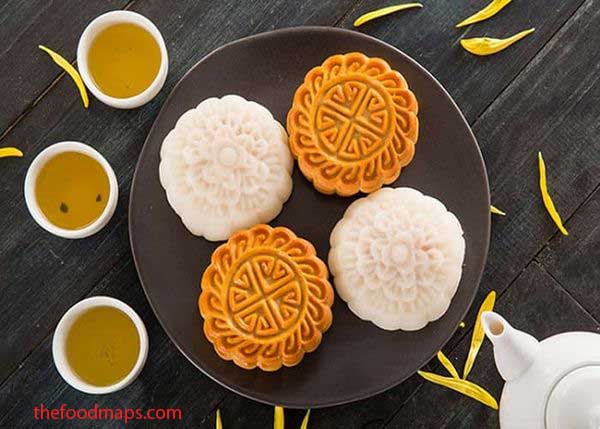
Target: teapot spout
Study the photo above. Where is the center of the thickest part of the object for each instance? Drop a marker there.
(514, 350)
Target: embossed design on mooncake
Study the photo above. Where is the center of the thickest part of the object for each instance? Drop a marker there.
(353, 124)
(265, 298)
(396, 257)
(226, 166)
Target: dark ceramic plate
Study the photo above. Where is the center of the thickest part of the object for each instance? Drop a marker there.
(355, 359)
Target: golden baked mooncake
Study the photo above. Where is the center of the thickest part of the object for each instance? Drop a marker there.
(265, 298)
(353, 124)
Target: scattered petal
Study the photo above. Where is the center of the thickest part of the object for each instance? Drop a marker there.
(546, 196)
(66, 66)
(462, 324)
(219, 424)
(487, 12)
(478, 334)
(278, 418)
(10, 151)
(305, 420)
(489, 46)
(369, 16)
(497, 211)
(465, 387)
(447, 364)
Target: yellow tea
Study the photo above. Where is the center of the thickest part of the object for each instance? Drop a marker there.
(102, 346)
(123, 60)
(72, 190)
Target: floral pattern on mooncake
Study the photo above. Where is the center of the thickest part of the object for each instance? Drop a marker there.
(396, 257)
(226, 166)
(353, 124)
(265, 298)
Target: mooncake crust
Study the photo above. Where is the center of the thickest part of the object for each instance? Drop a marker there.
(353, 124)
(265, 298)
(396, 257)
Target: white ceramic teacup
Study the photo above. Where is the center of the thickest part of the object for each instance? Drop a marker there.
(85, 41)
(62, 330)
(32, 203)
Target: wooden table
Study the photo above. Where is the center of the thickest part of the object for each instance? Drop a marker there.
(541, 94)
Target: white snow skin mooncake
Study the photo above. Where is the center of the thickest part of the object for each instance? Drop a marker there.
(226, 166)
(396, 257)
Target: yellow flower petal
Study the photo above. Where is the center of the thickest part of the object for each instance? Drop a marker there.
(497, 211)
(383, 12)
(447, 364)
(10, 151)
(546, 197)
(66, 66)
(219, 424)
(278, 418)
(478, 334)
(487, 12)
(305, 420)
(489, 46)
(462, 324)
(465, 387)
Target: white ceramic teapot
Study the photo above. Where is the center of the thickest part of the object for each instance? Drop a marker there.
(550, 384)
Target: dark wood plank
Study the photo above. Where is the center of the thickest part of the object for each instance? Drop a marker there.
(120, 134)
(24, 24)
(367, 414)
(551, 108)
(574, 260)
(509, 152)
(429, 36)
(168, 380)
(43, 275)
(529, 305)
(562, 123)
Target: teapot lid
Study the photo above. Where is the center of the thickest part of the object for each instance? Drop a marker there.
(574, 402)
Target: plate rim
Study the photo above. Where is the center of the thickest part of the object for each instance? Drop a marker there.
(291, 30)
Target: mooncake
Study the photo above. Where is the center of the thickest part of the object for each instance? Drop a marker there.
(265, 298)
(353, 124)
(226, 166)
(396, 257)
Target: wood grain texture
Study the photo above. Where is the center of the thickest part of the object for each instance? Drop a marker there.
(525, 305)
(525, 119)
(575, 260)
(26, 72)
(551, 106)
(367, 414)
(505, 135)
(429, 36)
(45, 275)
(168, 380)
